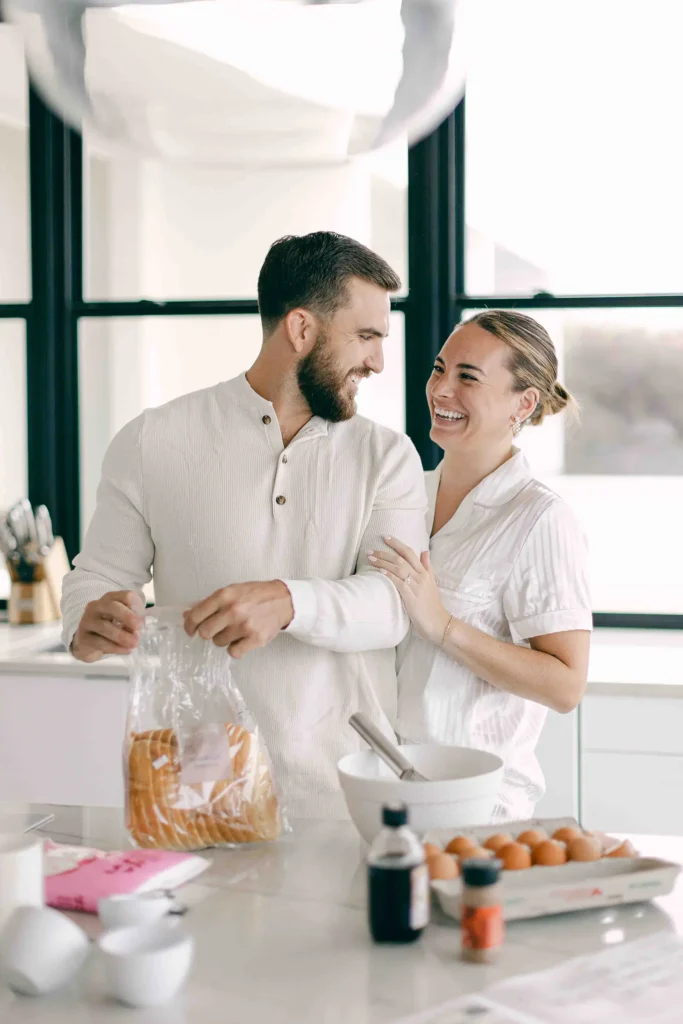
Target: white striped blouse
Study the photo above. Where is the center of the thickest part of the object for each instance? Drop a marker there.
(513, 562)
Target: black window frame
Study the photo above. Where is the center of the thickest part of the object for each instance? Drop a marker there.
(436, 300)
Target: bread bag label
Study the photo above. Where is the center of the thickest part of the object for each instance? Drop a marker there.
(206, 755)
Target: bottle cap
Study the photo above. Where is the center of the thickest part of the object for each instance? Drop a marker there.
(479, 872)
(395, 815)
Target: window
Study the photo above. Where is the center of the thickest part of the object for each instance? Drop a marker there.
(15, 278)
(556, 191)
(620, 465)
(571, 210)
(128, 364)
(12, 412)
(13, 453)
(574, 164)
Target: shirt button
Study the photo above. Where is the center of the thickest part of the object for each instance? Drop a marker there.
(266, 420)
(284, 459)
(281, 499)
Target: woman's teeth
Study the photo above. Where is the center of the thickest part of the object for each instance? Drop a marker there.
(446, 414)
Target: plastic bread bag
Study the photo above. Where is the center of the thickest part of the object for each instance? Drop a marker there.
(196, 770)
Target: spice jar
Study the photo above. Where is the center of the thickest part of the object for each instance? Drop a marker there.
(482, 911)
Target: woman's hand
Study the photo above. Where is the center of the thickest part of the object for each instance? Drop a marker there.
(414, 579)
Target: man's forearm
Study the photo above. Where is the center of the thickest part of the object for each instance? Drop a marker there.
(360, 613)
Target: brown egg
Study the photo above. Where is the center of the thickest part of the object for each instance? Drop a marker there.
(532, 837)
(549, 853)
(442, 866)
(515, 857)
(432, 850)
(495, 843)
(460, 845)
(584, 848)
(625, 849)
(476, 851)
(566, 834)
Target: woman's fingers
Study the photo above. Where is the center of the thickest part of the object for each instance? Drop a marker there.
(389, 562)
(406, 553)
(398, 581)
(386, 556)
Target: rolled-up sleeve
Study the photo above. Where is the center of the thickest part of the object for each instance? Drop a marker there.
(548, 590)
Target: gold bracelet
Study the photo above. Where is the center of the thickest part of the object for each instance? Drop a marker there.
(445, 632)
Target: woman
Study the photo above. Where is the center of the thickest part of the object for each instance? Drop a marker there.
(500, 608)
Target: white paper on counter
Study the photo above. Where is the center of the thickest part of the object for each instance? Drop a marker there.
(468, 1010)
(634, 983)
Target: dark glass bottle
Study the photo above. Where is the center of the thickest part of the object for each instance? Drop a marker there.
(398, 881)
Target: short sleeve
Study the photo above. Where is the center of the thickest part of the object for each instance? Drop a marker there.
(548, 590)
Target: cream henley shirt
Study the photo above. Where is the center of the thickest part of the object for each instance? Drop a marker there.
(203, 492)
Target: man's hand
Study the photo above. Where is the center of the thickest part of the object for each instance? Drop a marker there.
(108, 626)
(242, 616)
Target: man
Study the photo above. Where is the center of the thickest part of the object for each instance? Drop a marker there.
(267, 493)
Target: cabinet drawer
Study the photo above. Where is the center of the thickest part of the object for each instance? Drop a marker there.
(649, 725)
(638, 793)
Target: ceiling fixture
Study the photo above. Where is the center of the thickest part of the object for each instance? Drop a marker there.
(250, 82)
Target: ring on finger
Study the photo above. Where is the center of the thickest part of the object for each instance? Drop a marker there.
(408, 579)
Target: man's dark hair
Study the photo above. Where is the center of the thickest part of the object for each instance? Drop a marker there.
(311, 271)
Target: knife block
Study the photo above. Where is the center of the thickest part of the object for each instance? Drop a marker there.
(39, 601)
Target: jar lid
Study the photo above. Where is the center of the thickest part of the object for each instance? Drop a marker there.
(395, 815)
(479, 872)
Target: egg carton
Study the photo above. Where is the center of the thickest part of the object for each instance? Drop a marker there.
(541, 891)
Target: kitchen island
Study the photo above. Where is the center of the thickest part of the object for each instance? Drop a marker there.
(627, 738)
(281, 937)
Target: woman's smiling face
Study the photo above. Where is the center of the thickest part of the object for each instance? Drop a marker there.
(470, 392)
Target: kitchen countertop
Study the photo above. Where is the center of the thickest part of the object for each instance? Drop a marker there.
(38, 650)
(282, 937)
(623, 662)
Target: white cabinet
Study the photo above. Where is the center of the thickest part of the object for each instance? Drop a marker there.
(61, 739)
(645, 725)
(558, 755)
(632, 764)
(640, 793)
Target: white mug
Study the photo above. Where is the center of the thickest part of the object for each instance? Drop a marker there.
(125, 911)
(21, 874)
(40, 950)
(146, 966)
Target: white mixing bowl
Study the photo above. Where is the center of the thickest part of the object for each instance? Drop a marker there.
(462, 790)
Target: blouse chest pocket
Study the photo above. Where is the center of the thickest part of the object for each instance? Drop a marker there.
(478, 586)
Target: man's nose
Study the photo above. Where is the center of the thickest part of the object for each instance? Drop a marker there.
(375, 361)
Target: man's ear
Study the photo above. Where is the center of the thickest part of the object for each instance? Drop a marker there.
(301, 329)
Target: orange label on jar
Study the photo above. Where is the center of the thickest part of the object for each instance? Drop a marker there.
(482, 927)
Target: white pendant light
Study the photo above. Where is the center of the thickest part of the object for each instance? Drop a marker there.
(247, 82)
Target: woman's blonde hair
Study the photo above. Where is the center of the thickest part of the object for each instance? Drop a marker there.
(533, 360)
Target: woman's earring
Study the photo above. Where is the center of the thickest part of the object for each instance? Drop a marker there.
(516, 426)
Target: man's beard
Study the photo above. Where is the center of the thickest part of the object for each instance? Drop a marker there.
(323, 385)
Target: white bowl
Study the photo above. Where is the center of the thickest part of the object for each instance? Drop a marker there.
(40, 950)
(462, 790)
(125, 911)
(146, 966)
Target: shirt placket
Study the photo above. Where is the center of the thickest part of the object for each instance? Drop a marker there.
(286, 457)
